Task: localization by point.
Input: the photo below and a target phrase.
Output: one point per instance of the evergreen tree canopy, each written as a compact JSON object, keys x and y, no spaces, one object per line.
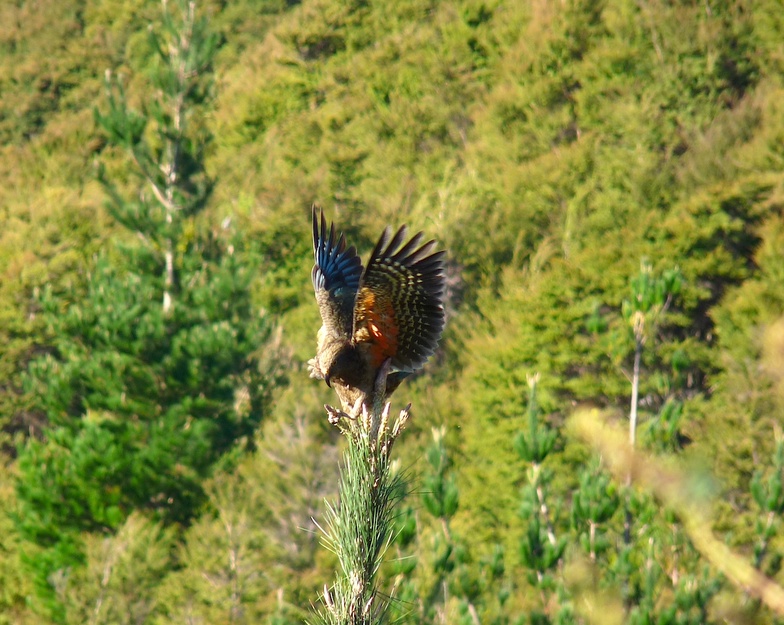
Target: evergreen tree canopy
{"x":153,"y":373}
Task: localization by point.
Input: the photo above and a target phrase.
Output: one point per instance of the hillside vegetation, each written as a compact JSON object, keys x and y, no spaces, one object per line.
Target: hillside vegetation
{"x":607,"y":177}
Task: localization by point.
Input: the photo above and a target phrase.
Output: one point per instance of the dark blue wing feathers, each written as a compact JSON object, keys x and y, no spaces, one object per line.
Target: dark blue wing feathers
{"x":337,"y":266}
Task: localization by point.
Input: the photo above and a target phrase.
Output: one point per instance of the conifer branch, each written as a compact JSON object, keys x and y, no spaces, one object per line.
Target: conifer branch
{"x":359,"y":528}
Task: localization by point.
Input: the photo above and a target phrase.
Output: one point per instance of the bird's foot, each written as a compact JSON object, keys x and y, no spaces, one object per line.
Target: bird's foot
{"x":335,"y":415}
{"x":314,"y":369}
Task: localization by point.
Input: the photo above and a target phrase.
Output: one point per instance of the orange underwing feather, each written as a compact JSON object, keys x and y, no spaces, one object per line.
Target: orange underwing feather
{"x":375,"y":313}
{"x":399,"y":310}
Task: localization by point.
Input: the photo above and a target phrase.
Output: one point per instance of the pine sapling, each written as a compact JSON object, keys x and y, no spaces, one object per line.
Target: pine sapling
{"x":359,"y":528}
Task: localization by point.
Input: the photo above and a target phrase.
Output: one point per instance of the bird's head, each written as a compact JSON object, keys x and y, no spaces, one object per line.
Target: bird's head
{"x":346,"y":366}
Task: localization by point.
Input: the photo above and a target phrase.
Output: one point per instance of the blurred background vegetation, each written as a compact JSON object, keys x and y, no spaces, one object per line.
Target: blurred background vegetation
{"x":608,"y":179}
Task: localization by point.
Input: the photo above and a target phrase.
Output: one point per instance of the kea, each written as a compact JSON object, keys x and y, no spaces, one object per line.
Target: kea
{"x":381,"y":322}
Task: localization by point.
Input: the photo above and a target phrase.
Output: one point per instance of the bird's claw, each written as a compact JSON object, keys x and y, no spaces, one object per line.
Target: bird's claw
{"x":314,"y":369}
{"x":334,"y":415}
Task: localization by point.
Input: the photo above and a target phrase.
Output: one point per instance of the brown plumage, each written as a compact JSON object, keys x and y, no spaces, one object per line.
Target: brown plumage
{"x":388,"y":316}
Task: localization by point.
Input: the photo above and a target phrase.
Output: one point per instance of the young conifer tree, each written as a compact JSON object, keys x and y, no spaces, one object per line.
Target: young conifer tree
{"x":154,"y":374}
{"x":359,"y":529}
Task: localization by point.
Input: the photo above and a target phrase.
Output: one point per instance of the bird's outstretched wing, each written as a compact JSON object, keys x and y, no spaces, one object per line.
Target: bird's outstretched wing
{"x":399,"y":312}
{"x":335,"y":276}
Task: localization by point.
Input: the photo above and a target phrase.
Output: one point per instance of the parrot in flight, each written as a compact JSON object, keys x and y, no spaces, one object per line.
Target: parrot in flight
{"x":380,"y":323}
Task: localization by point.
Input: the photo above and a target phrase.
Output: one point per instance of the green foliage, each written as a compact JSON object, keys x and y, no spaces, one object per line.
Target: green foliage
{"x":650,"y":295}
{"x":153,"y":374}
{"x":536,"y":444}
{"x":358,"y":529}
{"x":541,"y":550}
{"x":443,"y":578}
{"x":594,"y":504}
{"x":14,"y":585}
{"x":255,"y":521}
{"x":121,"y":572}
{"x":170,"y":157}
{"x":440,"y":494}
{"x":539,"y":554}
{"x":664,"y":429}
{"x":768,"y":494}
{"x":125,"y":387}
